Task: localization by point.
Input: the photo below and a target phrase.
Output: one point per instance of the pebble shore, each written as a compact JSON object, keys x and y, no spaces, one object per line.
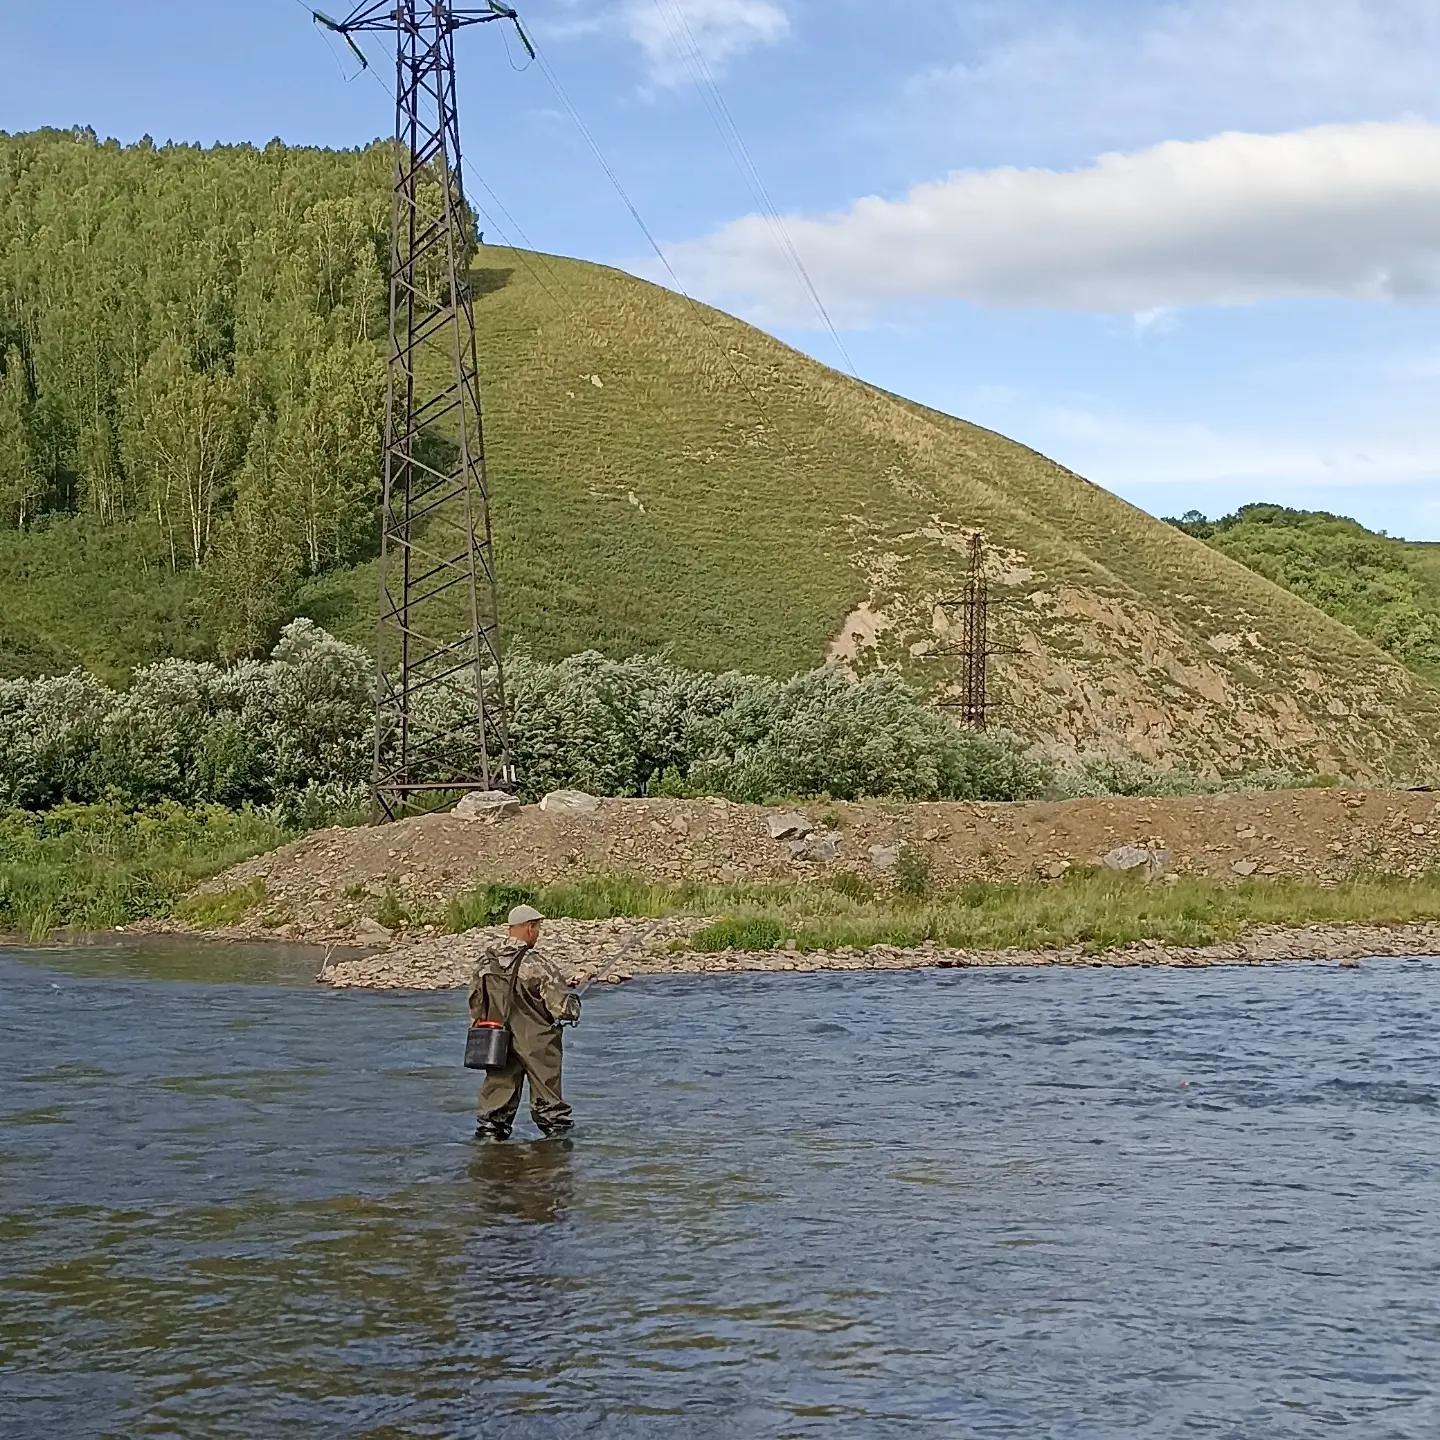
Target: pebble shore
{"x":615,"y":951}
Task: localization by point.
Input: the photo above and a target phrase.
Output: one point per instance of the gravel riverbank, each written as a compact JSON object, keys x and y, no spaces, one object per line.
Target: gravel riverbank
{"x":614,"y":951}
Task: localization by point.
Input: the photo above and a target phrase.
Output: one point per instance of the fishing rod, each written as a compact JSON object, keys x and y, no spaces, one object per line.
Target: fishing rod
{"x":633,"y":944}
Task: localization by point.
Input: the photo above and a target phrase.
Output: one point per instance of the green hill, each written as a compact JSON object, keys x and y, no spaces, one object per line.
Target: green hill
{"x":665,"y":478}
{"x":1387,"y":589}
{"x":1424,"y":558}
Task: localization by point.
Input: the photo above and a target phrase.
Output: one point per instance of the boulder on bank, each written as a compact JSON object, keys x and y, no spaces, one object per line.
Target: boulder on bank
{"x":569,"y":802}
{"x":487,"y":805}
{"x":1138,"y":859}
{"x":371,"y":932}
{"x":816,"y":849}
{"x":789,"y":825}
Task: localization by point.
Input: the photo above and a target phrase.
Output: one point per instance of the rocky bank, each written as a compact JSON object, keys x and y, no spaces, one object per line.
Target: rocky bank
{"x":328,"y":886}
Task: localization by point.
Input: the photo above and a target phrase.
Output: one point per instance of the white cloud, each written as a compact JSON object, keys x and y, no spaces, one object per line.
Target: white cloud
{"x":1345,"y":211}
{"x":669,"y":32}
{"x":1062,"y":71}
{"x":1377,"y":463}
{"x":1130,"y":453}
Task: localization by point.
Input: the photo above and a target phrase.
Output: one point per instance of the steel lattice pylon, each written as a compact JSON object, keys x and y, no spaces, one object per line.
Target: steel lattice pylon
{"x":437,"y":552}
{"x":974,"y":700}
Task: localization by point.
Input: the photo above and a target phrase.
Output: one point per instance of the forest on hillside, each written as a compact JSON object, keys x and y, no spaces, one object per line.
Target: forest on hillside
{"x":190,"y":365}
{"x":1377,"y":585}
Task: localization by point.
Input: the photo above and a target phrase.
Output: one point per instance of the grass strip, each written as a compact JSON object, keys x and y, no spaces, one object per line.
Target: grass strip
{"x":93,"y":867}
{"x":1096,"y":910}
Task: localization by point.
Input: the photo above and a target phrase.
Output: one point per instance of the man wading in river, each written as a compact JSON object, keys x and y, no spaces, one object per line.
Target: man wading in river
{"x":513,"y":985}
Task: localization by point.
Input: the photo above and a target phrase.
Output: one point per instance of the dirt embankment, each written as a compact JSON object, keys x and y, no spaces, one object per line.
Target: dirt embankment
{"x":327,"y":886}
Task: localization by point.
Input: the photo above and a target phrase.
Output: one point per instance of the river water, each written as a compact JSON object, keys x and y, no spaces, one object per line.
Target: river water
{"x":1095,"y":1203}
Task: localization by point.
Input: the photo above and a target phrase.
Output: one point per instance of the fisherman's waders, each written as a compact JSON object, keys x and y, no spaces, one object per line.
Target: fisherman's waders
{"x":487,"y":1046}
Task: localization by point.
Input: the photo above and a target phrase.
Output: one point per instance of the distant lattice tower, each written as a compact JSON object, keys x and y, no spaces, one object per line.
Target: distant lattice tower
{"x":978,"y":648}
{"x":439,"y":621}
{"x":975,"y":697}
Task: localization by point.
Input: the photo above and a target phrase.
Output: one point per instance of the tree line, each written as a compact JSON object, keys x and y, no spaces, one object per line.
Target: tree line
{"x":190,"y":346}
{"x":1367,"y":580}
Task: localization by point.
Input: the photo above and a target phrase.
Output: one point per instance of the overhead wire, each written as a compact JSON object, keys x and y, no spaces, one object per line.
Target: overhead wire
{"x":697,"y":309}
{"x":672,"y":15}
{"x":523,"y":250}
{"x":528,"y":249}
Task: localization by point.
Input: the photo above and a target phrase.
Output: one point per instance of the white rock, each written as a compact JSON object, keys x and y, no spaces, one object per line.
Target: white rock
{"x":487,"y":805}
{"x":789,"y":825}
{"x":884,"y":857}
{"x":569,"y":802}
{"x":1245,"y":867}
{"x":372,"y":932}
{"x":1129,"y":858}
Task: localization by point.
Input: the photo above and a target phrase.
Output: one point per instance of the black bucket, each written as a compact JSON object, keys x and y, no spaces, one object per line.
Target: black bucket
{"x":487,"y":1046}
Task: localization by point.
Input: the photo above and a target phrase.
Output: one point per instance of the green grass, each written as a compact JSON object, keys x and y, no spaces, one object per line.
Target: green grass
{"x":93,"y":867}
{"x":220,"y":909}
{"x":740,"y":932}
{"x":56,"y":618}
{"x":1094,"y":910}
{"x":485,"y":905}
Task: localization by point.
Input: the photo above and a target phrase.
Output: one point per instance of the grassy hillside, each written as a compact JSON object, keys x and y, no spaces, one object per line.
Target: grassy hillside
{"x":668,"y":478}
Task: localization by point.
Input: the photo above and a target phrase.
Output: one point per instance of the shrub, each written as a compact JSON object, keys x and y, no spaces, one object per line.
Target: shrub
{"x":292,"y":736}
{"x":391,"y":911}
{"x":852,"y":886}
{"x":912,"y":873}
{"x":49,"y":740}
{"x":754,"y":932}
{"x":485,"y":905}
{"x":1096,"y":775}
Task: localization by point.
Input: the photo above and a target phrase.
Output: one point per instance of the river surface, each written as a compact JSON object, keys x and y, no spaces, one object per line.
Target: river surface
{"x":1094,"y":1203}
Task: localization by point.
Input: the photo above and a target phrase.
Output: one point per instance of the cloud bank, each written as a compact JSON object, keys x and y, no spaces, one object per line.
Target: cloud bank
{"x":1337,"y":211}
{"x":669,"y":31}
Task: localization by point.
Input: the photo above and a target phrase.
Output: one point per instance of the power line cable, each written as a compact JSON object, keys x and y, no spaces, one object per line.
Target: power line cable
{"x":699,"y":310}
{"x":494,"y":224}
{"x":725,"y":124}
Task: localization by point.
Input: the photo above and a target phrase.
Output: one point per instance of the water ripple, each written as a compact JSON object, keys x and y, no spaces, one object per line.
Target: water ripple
{"x":1009,"y":1204}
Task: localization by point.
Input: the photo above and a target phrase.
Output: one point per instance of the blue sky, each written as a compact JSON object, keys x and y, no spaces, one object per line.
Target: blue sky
{"x":1190,"y":249}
